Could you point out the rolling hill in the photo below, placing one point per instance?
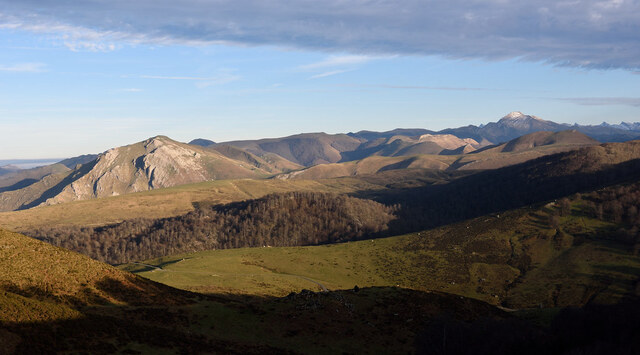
(305, 149)
(555, 255)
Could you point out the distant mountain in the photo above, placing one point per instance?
(544, 138)
(202, 142)
(271, 162)
(465, 157)
(71, 163)
(433, 144)
(22, 177)
(6, 169)
(155, 163)
(516, 124)
(408, 132)
(608, 134)
(627, 126)
(304, 149)
(511, 126)
(312, 149)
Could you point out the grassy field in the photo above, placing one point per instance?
(54, 300)
(515, 259)
(167, 202)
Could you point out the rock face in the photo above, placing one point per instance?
(155, 163)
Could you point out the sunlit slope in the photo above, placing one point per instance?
(517, 259)
(519, 150)
(157, 162)
(168, 202)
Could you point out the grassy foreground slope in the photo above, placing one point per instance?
(520, 259)
(56, 301)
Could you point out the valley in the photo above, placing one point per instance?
(303, 177)
(262, 246)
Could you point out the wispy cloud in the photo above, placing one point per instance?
(24, 68)
(603, 101)
(202, 82)
(338, 60)
(336, 64)
(329, 73)
(580, 33)
(417, 87)
(131, 90)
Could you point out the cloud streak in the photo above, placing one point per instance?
(604, 101)
(330, 73)
(578, 33)
(419, 87)
(202, 82)
(23, 68)
(338, 60)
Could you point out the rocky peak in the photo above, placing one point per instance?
(517, 119)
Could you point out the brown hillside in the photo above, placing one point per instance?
(305, 149)
(536, 139)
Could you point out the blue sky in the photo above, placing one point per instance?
(82, 78)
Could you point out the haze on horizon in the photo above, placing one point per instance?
(79, 78)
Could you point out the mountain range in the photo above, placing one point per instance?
(426, 242)
(160, 162)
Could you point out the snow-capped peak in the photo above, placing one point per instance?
(517, 119)
(514, 115)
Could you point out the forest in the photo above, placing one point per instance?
(288, 219)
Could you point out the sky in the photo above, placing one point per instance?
(79, 77)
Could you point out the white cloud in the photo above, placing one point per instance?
(338, 60)
(329, 73)
(24, 68)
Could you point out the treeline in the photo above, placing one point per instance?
(618, 204)
(543, 179)
(289, 219)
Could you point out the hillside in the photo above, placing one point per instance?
(268, 161)
(537, 180)
(19, 178)
(573, 252)
(544, 138)
(56, 301)
(464, 157)
(179, 200)
(399, 145)
(289, 219)
(158, 162)
(305, 149)
(369, 166)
